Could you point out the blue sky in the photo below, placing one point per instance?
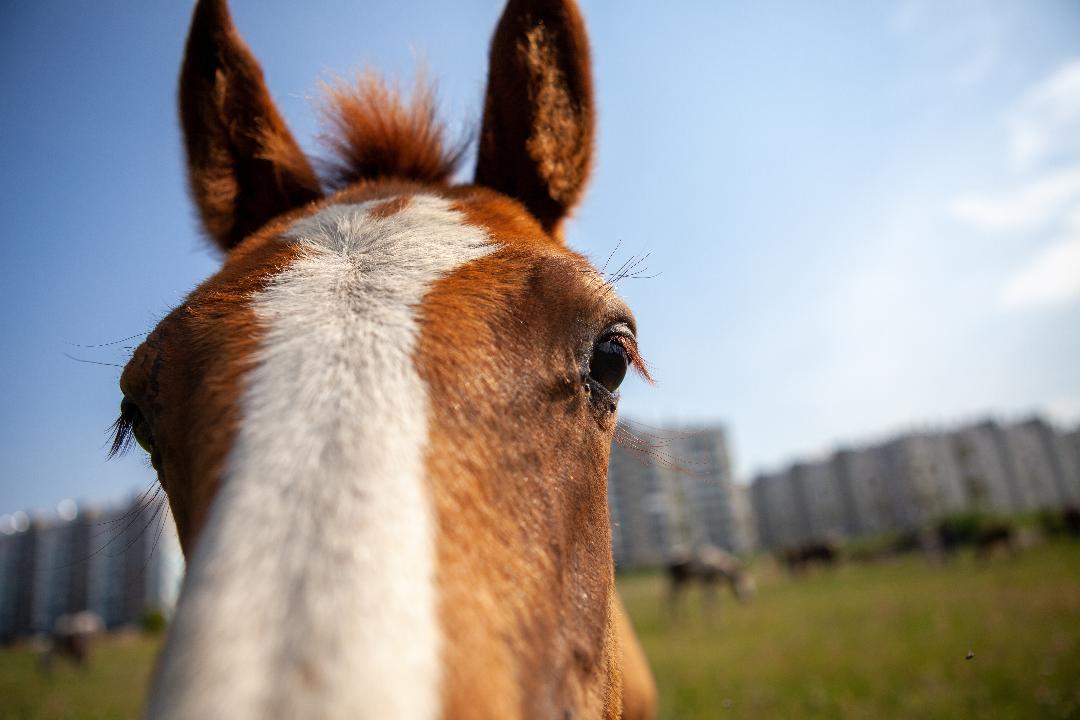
(866, 216)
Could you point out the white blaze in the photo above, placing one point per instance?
(311, 593)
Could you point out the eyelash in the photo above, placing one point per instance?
(123, 433)
(636, 361)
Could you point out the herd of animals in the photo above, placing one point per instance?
(706, 569)
(383, 426)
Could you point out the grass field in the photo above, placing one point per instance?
(111, 688)
(862, 641)
(876, 641)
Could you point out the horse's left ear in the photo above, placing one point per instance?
(536, 143)
(244, 166)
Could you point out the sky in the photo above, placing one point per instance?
(865, 217)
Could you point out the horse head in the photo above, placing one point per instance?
(383, 425)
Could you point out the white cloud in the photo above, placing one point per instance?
(1072, 221)
(1050, 279)
(1044, 145)
(1028, 208)
(1064, 409)
(1047, 121)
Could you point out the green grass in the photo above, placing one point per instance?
(111, 687)
(863, 641)
(875, 641)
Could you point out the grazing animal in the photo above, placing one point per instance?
(709, 567)
(73, 637)
(1070, 518)
(992, 537)
(986, 535)
(383, 426)
(799, 559)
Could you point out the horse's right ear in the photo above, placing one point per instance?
(244, 166)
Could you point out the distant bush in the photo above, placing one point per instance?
(1056, 523)
(969, 527)
(881, 546)
(153, 622)
(972, 528)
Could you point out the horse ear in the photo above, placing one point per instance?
(244, 167)
(536, 143)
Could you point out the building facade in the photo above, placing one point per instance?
(118, 564)
(983, 464)
(917, 478)
(674, 490)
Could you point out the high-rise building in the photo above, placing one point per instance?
(1065, 465)
(706, 489)
(745, 539)
(117, 564)
(918, 478)
(638, 499)
(863, 495)
(984, 470)
(913, 495)
(819, 495)
(1032, 452)
(673, 489)
(777, 509)
(1069, 442)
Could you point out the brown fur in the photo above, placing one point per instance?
(244, 167)
(517, 471)
(518, 445)
(388, 208)
(375, 134)
(540, 101)
(639, 688)
(188, 376)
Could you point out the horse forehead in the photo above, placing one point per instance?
(426, 235)
(426, 231)
(400, 243)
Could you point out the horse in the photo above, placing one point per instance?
(986, 534)
(383, 426)
(73, 637)
(1070, 520)
(800, 558)
(709, 567)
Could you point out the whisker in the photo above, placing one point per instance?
(667, 434)
(134, 518)
(116, 536)
(656, 450)
(107, 344)
(618, 273)
(91, 362)
(131, 542)
(157, 539)
(630, 268)
(618, 244)
(639, 276)
(142, 502)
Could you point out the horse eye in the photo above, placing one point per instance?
(139, 428)
(132, 416)
(608, 363)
